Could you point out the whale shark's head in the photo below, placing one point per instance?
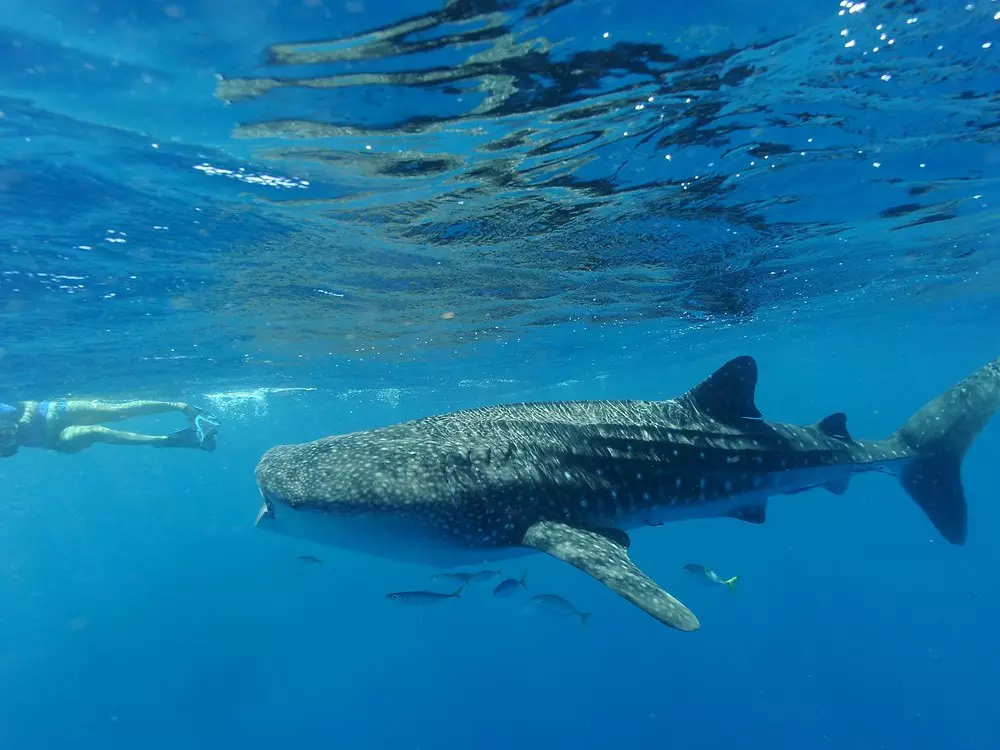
(379, 496)
(284, 477)
(318, 492)
(329, 476)
(387, 470)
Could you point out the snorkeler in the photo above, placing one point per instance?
(71, 426)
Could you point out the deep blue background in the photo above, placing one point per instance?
(142, 608)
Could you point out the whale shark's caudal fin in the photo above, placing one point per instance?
(607, 561)
(940, 434)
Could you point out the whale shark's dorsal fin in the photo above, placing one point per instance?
(834, 426)
(727, 395)
(610, 564)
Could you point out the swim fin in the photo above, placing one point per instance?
(206, 428)
(194, 413)
(202, 435)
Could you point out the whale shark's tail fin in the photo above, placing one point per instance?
(940, 434)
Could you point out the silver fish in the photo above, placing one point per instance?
(556, 605)
(509, 586)
(463, 577)
(422, 598)
(485, 575)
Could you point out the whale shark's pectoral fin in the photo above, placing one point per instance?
(609, 563)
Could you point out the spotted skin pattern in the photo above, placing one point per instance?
(570, 478)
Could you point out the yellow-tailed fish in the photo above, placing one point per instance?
(709, 577)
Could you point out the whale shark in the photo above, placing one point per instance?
(571, 478)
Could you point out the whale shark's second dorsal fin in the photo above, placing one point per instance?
(609, 563)
(727, 395)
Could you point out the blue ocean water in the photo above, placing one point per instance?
(313, 217)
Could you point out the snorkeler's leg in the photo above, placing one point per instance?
(94, 412)
(77, 438)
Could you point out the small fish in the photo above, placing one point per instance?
(422, 598)
(556, 605)
(485, 575)
(509, 586)
(310, 559)
(650, 523)
(709, 577)
(465, 578)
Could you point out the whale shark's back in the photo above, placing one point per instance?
(474, 462)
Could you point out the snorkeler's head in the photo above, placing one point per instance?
(8, 439)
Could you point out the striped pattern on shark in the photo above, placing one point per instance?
(571, 478)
